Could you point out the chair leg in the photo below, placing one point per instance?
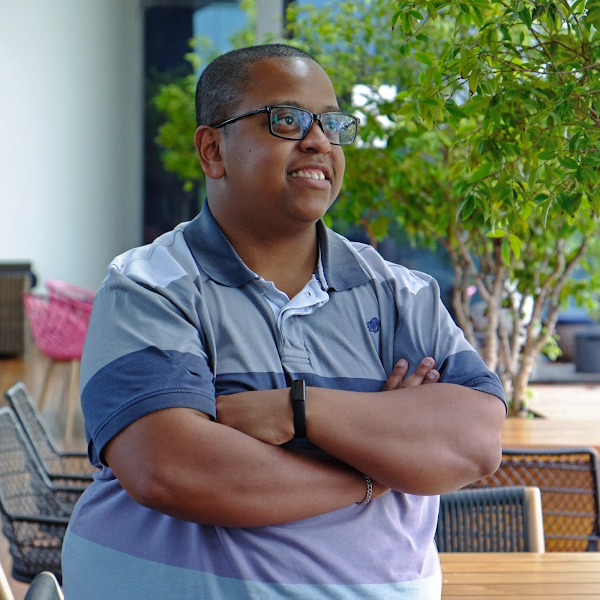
(72, 399)
(5, 591)
(46, 381)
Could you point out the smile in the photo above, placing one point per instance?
(310, 174)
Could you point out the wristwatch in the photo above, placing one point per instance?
(299, 407)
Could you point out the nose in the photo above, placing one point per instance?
(316, 140)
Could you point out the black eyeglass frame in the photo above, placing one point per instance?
(314, 116)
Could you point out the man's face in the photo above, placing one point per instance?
(269, 181)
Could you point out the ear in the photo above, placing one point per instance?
(207, 141)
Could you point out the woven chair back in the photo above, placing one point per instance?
(490, 520)
(34, 519)
(568, 482)
(63, 468)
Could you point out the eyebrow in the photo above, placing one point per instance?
(329, 108)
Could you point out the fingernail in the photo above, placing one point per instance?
(428, 362)
(430, 375)
(401, 362)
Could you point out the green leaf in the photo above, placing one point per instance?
(525, 17)
(466, 207)
(474, 79)
(454, 110)
(424, 57)
(532, 179)
(546, 154)
(546, 213)
(540, 198)
(567, 162)
(405, 23)
(592, 15)
(406, 108)
(515, 245)
(456, 170)
(569, 203)
(496, 233)
(482, 172)
(505, 250)
(574, 6)
(404, 50)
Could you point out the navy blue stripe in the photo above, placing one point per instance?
(140, 383)
(342, 270)
(469, 369)
(231, 383)
(213, 251)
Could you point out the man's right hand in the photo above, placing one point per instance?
(424, 374)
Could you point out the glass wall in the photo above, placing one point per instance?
(218, 21)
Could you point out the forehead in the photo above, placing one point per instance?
(289, 80)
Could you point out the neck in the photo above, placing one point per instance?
(289, 261)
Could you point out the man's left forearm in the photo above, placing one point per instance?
(423, 440)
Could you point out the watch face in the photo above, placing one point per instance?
(298, 407)
(299, 390)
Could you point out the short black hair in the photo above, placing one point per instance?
(221, 85)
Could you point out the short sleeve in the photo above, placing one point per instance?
(143, 353)
(427, 329)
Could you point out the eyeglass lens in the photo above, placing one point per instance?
(294, 124)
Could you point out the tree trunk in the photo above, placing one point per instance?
(519, 384)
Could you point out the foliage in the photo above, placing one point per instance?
(490, 146)
(480, 132)
(177, 101)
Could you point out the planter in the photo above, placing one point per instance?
(587, 352)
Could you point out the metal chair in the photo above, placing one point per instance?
(568, 482)
(34, 515)
(45, 586)
(491, 520)
(63, 468)
(5, 591)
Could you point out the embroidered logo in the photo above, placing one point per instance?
(374, 325)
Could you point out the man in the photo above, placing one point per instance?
(214, 483)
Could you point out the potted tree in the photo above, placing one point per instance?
(481, 134)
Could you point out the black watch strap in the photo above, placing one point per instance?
(299, 407)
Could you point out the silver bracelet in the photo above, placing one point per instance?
(369, 495)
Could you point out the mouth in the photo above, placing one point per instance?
(316, 174)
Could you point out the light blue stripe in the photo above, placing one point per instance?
(92, 572)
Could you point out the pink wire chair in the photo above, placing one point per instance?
(77, 297)
(59, 324)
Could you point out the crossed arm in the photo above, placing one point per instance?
(411, 436)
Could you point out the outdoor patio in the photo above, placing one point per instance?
(568, 401)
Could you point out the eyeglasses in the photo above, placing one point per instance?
(292, 123)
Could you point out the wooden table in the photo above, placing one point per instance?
(549, 433)
(549, 576)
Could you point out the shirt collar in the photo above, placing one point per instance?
(218, 259)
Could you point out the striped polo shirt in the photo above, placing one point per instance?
(183, 320)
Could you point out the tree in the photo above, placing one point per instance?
(480, 133)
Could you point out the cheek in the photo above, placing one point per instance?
(339, 164)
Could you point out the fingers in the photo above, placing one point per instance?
(396, 378)
(432, 377)
(424, 374)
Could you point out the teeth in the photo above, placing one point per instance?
(310, 174)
